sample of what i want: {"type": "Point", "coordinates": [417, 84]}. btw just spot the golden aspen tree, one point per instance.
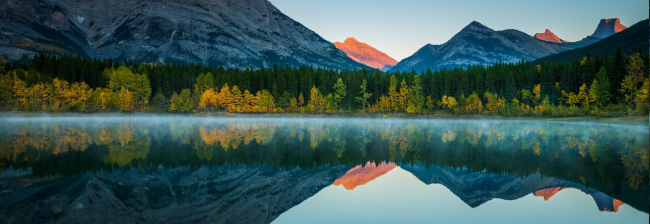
{"type": "Point", "coordinates": [314, 98]}
{"type": "Point", "coordinates": [126, 100]}
{"type": "Point", "coordinates": [452, 104]}
{"type": "Point", "coordinates": [392, 93]}
{"type": "Point", "coordinates": [583, 96]}
{"type": "Point", "coordinates": [301, 102]}
{"type": "Point", "coordinates": [293, 104]}
{"type": "Point", "coordinates": [537, 93]}
{"type": "Point", "coordinates": [403, 96]}
{"type": "Point", "coordinates": [473, 104]}
{"type": "Point", "coordinates": [209, 100]}
{"type": "Point", "coordinates": [265, 101]}
{"type": "Point", "coordinates": [431, 104]}
{"type": "Point", "coordinates": [235, 104]}
{"type": "Point", "coordinates": [21, 94]}
{"type": "Point", "coordinates": [225, 97]}
{"type": "Point", "coordinates": [249, 102]}
{"type": "Point", "coordinates": [175, 103]}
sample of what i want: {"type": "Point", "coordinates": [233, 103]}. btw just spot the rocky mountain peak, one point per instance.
{"type": "Point", "coordinates": [608, 27]}
{"type": "Point", "coordinates": [549, 36]}
{"type": "Point", "coordinates": [475, 26]}
{"type": "Point", "coordinates": [366, 54]}
{"type": "Point", "coordinates": [231, 33]}
{"type": "Point", "coordinates": [351, 40]}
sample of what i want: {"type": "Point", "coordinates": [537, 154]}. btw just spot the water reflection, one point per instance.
{"type": "Point", "coordinates": [252, 170]}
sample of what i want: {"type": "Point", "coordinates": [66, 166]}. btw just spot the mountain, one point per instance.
{"type": "Point", "coordinates": [232, 33]}
{"type": "Point", "coordinates": [608, 27]}
{"type": "Point", "coordinates": [477, 44]}
{"type": "Point", "coordinates": [420, 55]}
{"type": "Point", "coordinates": [633, 38]}
{"type": "Point", "coordinates": [361, 175]}
{"type": "Point", "coordinates": [218, 194]}
{"type": "Point", "coordinates": [549, 37]}
{"type": "Point", "coordinates": [365, 54]}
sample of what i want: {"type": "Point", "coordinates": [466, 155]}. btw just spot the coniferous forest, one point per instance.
{"type": "Point", "coordinates": [597, 85]}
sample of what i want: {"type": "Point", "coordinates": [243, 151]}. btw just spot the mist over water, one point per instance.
{"type": "Point", "coordinates": [225, 169]}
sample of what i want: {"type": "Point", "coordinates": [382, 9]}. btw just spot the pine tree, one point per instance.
{"type": "Point", "coordinates": [363, 99]}
{"type": "Point", "coordinates": [339, 93]}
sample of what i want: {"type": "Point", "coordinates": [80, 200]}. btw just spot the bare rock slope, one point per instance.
{"type": "Point", "coordinates": [365, 54]}
{"type": "Point", "coordinates": [233, 33]}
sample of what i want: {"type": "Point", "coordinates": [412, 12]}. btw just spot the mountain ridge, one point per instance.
{"type": "Point", "coordinates": [633, 38]}
{"type": "Point", "coordinates": [477, 44]}
{"type": "Point", "coordinates": [232, 33]}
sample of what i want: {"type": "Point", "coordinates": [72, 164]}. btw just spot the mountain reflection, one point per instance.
{"type": "Point", "coordinates": [361, 175]}
{"type": "Point", "coordinates": [234, 169]}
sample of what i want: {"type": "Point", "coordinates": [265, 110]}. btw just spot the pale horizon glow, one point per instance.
{"type": "Point", "coordinates": [400, 28]}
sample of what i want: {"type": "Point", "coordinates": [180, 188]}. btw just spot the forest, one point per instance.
{"type": "Point", "coordinates": [596, 85]}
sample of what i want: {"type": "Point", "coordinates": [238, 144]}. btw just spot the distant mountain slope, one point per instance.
{"type": "Point", "coordinates": [634, 37]}
{"type": "Point", "coordinates": [233, 33]}
{"type": "Point", "coordinates": [420, 55]}
{"type": "Point", "coordinates": [366, 54]}
{"type": "Point", "coordinates": [477, 44]}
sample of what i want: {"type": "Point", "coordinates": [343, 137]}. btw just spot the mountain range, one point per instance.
{"type": "Point", "coordinates": [232, 33]}
{"type": "Point", "coordinates": [243, 34]}
{"type": "Point", "coordinates": [477, 44]}
{"type": "Point", "coordinates": [634, 38]}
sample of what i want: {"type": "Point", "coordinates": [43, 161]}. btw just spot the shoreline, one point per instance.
{"type": "Point", "coordinates": [633, 120]}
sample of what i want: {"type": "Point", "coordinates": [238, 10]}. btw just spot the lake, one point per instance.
{"type": "Point", "coordinates": [320, 170]}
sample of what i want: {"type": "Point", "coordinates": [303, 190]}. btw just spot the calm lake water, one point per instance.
{"type": "Point", "coordinates": [304, 170]}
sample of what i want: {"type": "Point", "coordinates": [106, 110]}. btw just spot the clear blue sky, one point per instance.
{"type": "Point", "coordinates": [401, 27]}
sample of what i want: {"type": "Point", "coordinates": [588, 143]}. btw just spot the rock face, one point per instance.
{"type": "Point", "coordinates": [477, 44]}
{"type": "Point", "coordinates": [232, 33]}
{"type": "Point", "coordinates": [218, 194]}
{"type": "Point", "coordinates": [359, 175]}
{"type": "Point", "coordinates": [550, 37]}
{"type": "Point", "coordinates": [608, 27]}
{"type": "Point", "coordinates": [365, 54]}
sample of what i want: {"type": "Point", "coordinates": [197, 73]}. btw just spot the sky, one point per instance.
{"type": "Point", "coordinates": [400, 28]}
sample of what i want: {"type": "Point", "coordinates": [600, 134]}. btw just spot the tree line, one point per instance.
{"type": "Point", "coordinates": [595, 85]}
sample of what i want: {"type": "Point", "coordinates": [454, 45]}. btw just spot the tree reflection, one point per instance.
{"type": "Point", "coordinates": [593, 155]}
